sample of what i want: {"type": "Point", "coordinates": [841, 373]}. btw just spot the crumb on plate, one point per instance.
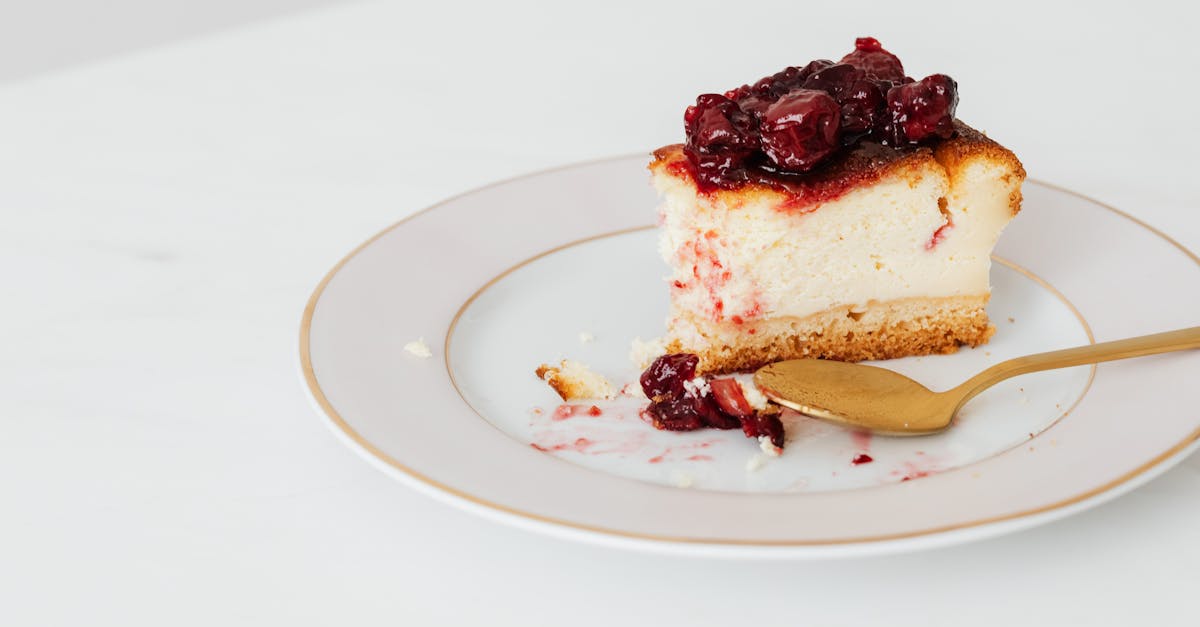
{"type": "Point", "coordinates": [697, 387]}
{"type": "Point", "coordinates": [755, 463]}
{"type": "Point", "coordinates": [682, 479]}
{"type": "Point", "coordinates": [419, 348]}
{"type": "Point", "coordinates": [573, 380]}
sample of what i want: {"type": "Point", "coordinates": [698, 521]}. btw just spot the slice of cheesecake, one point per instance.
{"type": "Point", "coordinates": [798, 223]}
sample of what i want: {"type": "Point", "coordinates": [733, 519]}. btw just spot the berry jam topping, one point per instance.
{"type": "Point", "coordinates": [678, 404]}
{"type": "Point", "coordinates": [790, 126]}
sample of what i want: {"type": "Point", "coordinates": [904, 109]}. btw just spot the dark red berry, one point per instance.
{"type": "Point", "coordinates": [923, 109]}
{"type": "Point", "coordinates": [812, 68]}
{"type": "Point", "coordinates": [716, 125]}
{"type": "Point", "coordinates": [782, 80]}
{"type": "Point", "coordinates": [717, 171]}
{"type": "Point", "coordinates": [789, 79]}
{"type": "Point", "coordinates": [835, 79]}
{"type": "Point", "coordinates": [712, 414]}
{"type": "Point", "coordinates": [676, 414]}
{"type": "Point", "coordinates": [755, 105]}
{"type": "Point", "coordinates": [675, 406]}
{"type": "Point", "coordinates": [665, 377]}
{"type": "Point", "coordinates": [719, 136]}
{"type": "Point", "coordinates": [729, 396]}
{"type": "Point", "coordinates": [801, 129]}
{"type": "Point", "coordinates": [864, 108]}
{"type": "Point", "coordinates": [764, 423]}
{"type": "Point", "coordinates": [688, 413]}
{"type": "Point", "coordinates": [732, 94]}
{"type": "Point", "coordinates": [861, 97]}
{"type": "Point", "coordinates": [870, 57]}
{"type": "Point", "coordinates": [867, 44]}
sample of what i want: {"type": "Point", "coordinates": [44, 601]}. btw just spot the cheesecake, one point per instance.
{"type": "Point", "coordinates": [835, 210]}
{"type": "Point", "coordinates": [573, 380]}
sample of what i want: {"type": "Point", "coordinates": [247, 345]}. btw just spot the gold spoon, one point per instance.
{"type": "Point", "coordinates": [886, 402]}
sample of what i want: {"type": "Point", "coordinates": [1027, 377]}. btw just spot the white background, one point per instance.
{"type": "Point", "coordinates": [168, 208]}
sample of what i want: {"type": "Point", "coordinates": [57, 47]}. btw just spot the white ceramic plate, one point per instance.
{"type": "Point", "coordinates": [503, 278]}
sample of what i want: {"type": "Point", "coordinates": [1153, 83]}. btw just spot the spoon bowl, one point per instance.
{"type": "Point", "coordinates": [889, 403]}
{"type": "Point", "coordinates": [856, 395]}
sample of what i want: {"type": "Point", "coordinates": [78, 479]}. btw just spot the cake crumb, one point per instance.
{"type": "Point", "coordinates": [419, 348]}
{"type": "Point", "coordinates": [1011, 319]}
{"type": "Point", "coordinates": [682, 479]}
{"type": "Point", "coordinates": [764, 443]}
{"type": "Point", "coordinates": [755, 463]}
{"type": "Point", "coordinates": [642, 353]}
{"type": "Point", "coordinates": [697, 386]}
{"type": "Point", "coordinates": [586, 338]}
{"type": "Point", "coordinates": [573, 380]}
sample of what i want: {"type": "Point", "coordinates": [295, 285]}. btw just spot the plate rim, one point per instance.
{"type": "Point", "coordinates": [948, 534]}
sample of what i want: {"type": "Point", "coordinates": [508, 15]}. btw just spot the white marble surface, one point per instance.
{"type": "Point", "coordinates": [166, 213]}
{"type": "Point", "coordinates": [36, 37]}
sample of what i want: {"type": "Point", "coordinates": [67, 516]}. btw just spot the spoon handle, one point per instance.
{"type": "Point", "coordinates": [1091, 354]}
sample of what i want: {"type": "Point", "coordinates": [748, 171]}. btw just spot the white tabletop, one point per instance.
{"type": "Point", "coordinates": [166, 213]}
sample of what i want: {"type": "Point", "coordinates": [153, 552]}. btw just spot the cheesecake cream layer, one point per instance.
{"type": "Point", "coordinates": [753, 262]}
